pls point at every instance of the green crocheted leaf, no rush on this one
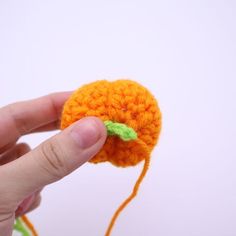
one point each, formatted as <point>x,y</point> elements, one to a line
<point>123,131</point>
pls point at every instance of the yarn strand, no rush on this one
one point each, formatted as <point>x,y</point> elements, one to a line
<point>29,225</point>
<point>131,197</point>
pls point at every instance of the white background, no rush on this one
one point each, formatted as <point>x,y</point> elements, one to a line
<point>185,53</point>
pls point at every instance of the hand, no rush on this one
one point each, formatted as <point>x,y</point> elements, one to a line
<point>23,173</point>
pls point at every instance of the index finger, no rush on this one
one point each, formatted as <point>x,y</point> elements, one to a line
<point>23,117</point>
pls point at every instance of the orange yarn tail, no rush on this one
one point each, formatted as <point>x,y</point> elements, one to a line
<point>131,197</point>
<point>29,225</point>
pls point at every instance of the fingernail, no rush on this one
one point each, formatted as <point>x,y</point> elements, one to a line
<point>86,132</point>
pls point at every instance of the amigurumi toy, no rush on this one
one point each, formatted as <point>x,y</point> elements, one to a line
<point>133,121</point>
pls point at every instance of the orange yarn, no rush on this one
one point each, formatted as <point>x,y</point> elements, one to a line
<point>122,101</point>
<point>29,225</point>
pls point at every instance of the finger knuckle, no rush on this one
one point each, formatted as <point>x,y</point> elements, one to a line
<point>53,159</point>
<point>18,121</point>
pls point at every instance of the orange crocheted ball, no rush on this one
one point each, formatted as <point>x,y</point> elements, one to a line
<point>122,101</point>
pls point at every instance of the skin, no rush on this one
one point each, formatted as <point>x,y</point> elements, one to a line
<point>25,172</point>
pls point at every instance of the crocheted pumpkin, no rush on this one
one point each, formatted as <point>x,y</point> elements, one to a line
<point>121,101</point>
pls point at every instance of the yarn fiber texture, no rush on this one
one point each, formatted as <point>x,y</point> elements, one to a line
<point>121,101</point>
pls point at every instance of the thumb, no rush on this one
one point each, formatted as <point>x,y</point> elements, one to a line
<point>53,159</point>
